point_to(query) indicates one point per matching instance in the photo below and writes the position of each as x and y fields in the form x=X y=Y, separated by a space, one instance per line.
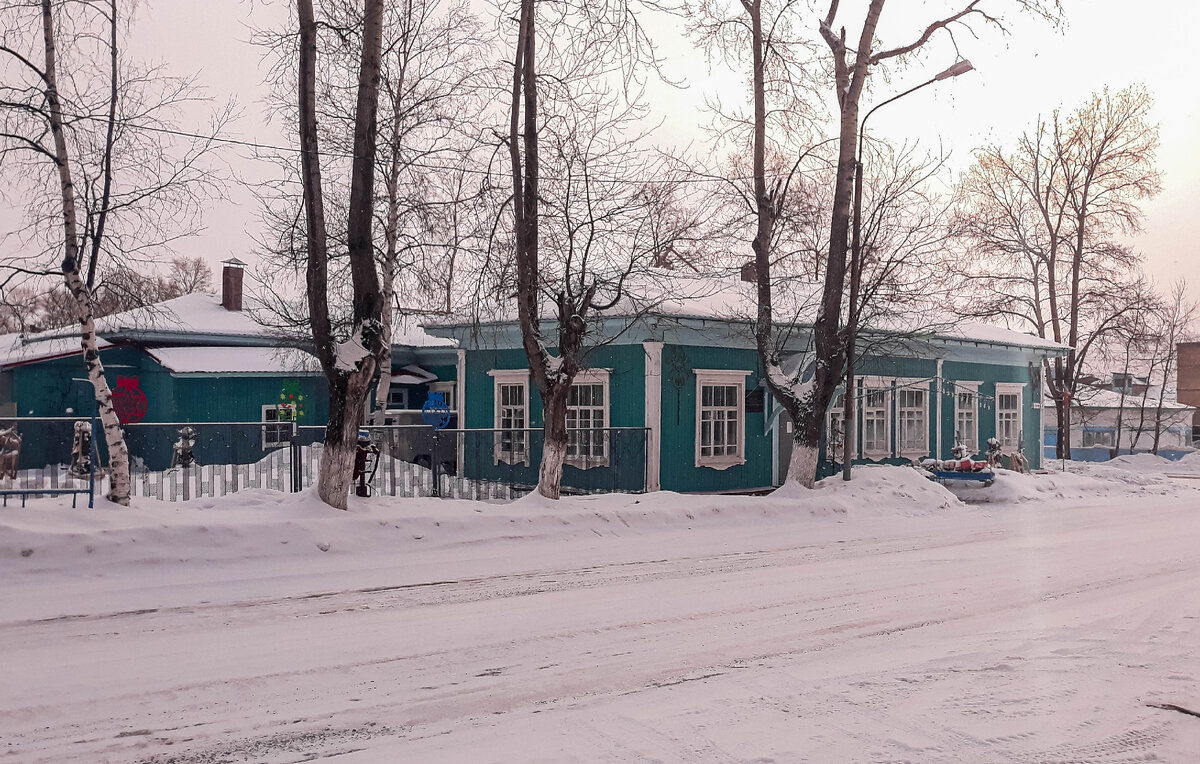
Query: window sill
x=720 y=464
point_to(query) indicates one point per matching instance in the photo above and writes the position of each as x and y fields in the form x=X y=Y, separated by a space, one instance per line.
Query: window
x=397 y=398
x=875 y=421
x=511 y=442
x=277 y=427
x=1098 y=438
x=835 y=429
x=587 y=415
x=1008 y=415
x=914 y=425
x=966 y=417
x=720 y=414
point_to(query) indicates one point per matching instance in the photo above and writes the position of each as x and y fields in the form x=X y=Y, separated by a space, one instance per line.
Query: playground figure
x=366 y=461
x=10 y=451
x=996 y=454
x=181 y=452
x=81 y=450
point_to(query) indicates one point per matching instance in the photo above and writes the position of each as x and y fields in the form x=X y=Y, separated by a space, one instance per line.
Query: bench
x=25 y=493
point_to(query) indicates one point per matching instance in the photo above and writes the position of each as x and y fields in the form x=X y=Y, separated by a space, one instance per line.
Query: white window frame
x=500 y=379
x=972 y=388
x=1017 y=389
x=722 y=378
x=394 y=392
x=273 y=424
x=884 y=387
x=922 y=449
x=591 y=377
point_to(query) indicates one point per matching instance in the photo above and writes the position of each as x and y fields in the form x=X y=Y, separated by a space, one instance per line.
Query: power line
x=349 y=155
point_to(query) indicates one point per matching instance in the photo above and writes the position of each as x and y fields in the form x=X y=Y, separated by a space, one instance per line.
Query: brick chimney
x=231 y=283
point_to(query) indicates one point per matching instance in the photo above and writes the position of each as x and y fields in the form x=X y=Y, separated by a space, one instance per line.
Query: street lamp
x=848 y=440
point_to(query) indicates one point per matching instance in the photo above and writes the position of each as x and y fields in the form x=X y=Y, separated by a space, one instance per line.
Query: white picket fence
x=274 y=472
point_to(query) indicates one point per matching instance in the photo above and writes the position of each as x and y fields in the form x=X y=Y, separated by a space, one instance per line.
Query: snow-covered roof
x=196 y=313
x=724 y=298
x=235 y=360
x=409 y=332
x=1094 y=398
x=413 y=375
x=16 y=349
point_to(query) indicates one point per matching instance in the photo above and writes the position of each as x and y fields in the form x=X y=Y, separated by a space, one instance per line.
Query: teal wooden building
x=199 y=359
x=674 y=397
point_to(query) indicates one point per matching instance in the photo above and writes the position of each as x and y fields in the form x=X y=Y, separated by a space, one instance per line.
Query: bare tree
x=351 y=363
x=86 y=142
x=576 y=230
x=429 y=162
x=1047 y=217
x=766 y=33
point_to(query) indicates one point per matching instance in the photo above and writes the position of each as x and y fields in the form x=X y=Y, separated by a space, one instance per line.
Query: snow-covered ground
x=881 y=620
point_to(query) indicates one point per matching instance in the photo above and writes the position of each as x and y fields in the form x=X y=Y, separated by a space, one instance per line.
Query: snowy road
x=1019 y=634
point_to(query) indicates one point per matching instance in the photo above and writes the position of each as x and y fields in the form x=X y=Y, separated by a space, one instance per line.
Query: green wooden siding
x=626 y=408
x=678 y=470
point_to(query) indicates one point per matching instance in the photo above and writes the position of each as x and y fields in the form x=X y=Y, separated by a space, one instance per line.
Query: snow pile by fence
x=257 y=524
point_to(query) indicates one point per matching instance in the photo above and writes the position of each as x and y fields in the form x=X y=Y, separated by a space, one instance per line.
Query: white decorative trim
x=903 y=386
x=718 y=377
x=509 y=377
x=266 y=444
x=460 y=405
x=1011 y=388
x=883 y=384
x=653 y=414
x=593 y=377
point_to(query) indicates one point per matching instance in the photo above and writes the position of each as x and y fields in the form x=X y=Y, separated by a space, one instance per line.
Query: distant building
x=1100 y=416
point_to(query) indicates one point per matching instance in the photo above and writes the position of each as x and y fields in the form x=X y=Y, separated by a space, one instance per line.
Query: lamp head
x=959 y=67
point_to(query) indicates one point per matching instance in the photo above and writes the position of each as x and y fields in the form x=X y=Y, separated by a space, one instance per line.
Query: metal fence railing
x=178 y=461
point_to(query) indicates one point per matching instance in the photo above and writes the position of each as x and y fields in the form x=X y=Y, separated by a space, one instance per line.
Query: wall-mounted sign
x=129 y=401
x=436 y=412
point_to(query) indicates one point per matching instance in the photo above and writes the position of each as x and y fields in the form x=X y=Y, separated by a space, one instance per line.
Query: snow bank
x=1140 y=462
x=257 y=523
x=1081 y=480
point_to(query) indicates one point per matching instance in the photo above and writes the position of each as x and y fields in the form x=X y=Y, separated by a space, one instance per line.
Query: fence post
x=297 y=471
x=435 y=464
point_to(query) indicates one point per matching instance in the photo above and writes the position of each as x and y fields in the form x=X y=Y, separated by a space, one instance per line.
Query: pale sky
x=1036 y=69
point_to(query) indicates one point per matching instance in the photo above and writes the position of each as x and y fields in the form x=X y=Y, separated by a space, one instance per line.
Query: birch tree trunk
x=118 y=454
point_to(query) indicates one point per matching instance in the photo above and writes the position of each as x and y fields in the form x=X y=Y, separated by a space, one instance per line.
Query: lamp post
x=849 y=445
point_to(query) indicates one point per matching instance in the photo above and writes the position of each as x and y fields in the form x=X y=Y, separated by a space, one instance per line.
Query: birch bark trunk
x=114 y=436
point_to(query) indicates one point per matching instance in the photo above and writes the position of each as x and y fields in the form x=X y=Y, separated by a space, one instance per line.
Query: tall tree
x=86 y=139
x=1049 y=216
x=589 y=213
x=767 y=32
x=351 y=363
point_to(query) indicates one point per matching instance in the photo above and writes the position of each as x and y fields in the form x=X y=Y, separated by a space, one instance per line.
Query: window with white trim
x=397 y=398
x=587 y=418
x=913 y=414
x=875 y=421
x=1008 y=415
x=966 y=417
x=720 y=418
x=835 y=429
x=511 y=442
x=277 y=424
x=1098 y=438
